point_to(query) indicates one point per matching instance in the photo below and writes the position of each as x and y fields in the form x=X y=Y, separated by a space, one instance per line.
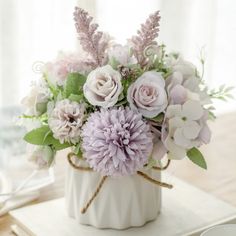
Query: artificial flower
x=36 y=102
x=41 y=156
x=177 y=63
x=121 y=54
x=103 y=87
x=186 y=128
x=58 y=70
x=181 y=88
x=66 y=120
x=147 y=94
x=116 y=141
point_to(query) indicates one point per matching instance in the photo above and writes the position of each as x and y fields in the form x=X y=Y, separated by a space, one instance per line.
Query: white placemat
x=186 y=210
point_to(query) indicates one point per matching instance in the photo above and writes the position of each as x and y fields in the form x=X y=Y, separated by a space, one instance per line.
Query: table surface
x=219 y=179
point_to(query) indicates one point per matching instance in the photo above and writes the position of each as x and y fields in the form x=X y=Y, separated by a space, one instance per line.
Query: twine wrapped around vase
x=103 y=179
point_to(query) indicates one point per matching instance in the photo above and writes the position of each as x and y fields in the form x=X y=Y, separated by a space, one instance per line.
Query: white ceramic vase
x=122 y=202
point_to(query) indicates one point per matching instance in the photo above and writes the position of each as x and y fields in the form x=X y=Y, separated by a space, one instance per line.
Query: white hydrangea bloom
x=186 y=128
x=177 y=63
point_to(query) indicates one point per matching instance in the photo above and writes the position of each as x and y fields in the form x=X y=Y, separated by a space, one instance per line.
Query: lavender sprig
x=145 y=37
x=92 y=41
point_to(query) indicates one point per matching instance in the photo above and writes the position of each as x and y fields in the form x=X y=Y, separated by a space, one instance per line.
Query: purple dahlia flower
x=116 y=142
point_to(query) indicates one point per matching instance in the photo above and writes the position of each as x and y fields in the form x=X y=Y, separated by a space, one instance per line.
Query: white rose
x=103 y=87
x=41 y=156
x=147 y=94
x=121 y=54
x=36 y=101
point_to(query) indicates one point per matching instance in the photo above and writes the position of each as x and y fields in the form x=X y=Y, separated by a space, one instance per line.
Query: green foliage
x=121 y=103
x=42 y=118
x=76 y=98
x=197 y=158
x=74 y=84
x=223 y=93
x=151 y=162
x=114 y=63
x=211 y=114
x=44 y=136
x=78 y=152
x=37 y=136
x=54 y=90
x=122 y=100
x=158 y=119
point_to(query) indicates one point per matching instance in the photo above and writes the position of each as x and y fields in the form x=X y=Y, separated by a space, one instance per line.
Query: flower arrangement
x=120 y=107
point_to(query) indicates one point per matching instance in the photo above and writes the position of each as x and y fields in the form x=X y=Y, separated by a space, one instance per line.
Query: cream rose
x=36 y=102
x=103 y=87
x=121 y=54
x=148 y=95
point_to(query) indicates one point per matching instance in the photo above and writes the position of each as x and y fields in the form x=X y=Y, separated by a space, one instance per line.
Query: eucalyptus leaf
x=197 y=158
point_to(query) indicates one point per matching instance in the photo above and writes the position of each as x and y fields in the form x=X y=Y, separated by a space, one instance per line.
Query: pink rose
x=147 y=94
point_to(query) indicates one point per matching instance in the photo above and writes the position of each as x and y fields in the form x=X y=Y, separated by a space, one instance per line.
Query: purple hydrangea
x=116 y=142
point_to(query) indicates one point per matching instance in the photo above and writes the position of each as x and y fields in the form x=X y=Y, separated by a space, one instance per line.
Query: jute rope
x=99 y=187
x=84 y=209
x=162 y=168
x=154 y=181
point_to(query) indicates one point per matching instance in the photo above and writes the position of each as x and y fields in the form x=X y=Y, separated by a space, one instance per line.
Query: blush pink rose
x=147 y=94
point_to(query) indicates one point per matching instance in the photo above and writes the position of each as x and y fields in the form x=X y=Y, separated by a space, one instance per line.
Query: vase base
x=120 y=227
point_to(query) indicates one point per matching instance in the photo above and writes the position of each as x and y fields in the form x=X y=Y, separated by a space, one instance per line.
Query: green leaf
x=50 y=140
x=78 y=151
x=151 y=162
x=121 y=103
x=52 y=88
x=74 y=84
x=197 y=158
x=37 y=136
x=158 y=118
x=44 y=136
x=76 y=98
x=121 y=96
x=114 y=63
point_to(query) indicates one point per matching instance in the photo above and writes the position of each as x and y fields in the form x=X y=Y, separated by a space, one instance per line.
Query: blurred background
x=32 y=32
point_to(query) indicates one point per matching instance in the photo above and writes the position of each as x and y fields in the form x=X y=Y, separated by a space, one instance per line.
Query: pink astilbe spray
x=92 y=41
x=145 y=38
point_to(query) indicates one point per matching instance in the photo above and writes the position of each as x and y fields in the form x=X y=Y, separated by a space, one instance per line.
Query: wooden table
x=219 y=179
